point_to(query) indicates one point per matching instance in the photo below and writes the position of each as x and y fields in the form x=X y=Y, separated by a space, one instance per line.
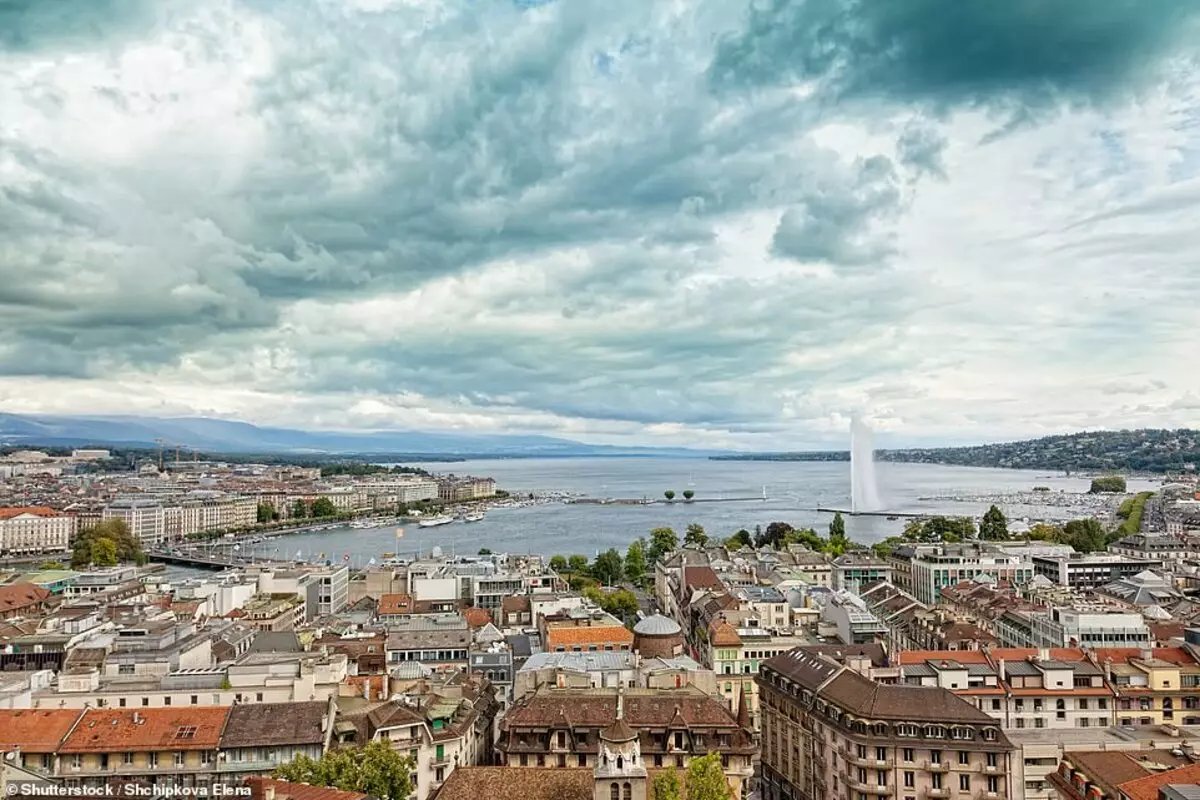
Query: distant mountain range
x=224 y=436
x=1144 y=450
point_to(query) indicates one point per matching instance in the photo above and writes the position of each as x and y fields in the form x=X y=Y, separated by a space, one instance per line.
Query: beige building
x=827 y=731
x=35 y=529
x=274 y=612
x=145 y=519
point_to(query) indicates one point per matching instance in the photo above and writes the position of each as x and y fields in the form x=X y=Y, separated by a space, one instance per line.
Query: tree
x=608 y=567
x=114 y=529
x=706 y=779
x=688 y=494
x=662 y=542
x=739 y=540
x=266 y=513
x=1045 y=532
x=323 y=507
x=1107 y=484
x=635 y=561
x=837 y=528
x=620 y=603
x=669 y=494
x=376 y=770
x=994 y=526
x=46 y=565
x=774 y=535
x=299 y=510
x=483 y=551
x=104 y=552
x=666 y=785
x=577 y=564
x=1085 y=535
x=695 y=536
x=558 y=563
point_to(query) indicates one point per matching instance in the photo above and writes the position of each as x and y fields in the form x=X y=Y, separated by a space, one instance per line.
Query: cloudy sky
x=702 y=222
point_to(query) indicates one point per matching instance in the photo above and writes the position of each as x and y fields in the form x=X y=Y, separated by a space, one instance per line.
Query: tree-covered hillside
x=1138 y=450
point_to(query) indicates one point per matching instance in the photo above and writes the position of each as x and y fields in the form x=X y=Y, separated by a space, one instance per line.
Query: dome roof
x=657 y=625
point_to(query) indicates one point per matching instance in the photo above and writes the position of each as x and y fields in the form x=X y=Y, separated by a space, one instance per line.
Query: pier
x=633 y=501
x=848 y=513
x=197 y=560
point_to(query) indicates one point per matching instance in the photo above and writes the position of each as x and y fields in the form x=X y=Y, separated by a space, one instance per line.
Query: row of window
x=194 y=700
x=908 y=755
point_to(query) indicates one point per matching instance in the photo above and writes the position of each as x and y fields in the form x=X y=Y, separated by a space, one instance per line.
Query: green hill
x=1143 y=450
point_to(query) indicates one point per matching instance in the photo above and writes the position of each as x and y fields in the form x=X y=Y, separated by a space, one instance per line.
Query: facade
x=273 y=612
x=145 y=519
x=561 y=728
x=257 y=738
x=1091 y=570
x=594 y=631
x=934 y=568
x=853 y=571
x=830 y=732
x=35 y=529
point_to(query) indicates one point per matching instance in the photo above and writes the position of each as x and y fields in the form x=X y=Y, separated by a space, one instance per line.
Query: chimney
x=1000 y=669
x=1043 y=654
x=1146 y=654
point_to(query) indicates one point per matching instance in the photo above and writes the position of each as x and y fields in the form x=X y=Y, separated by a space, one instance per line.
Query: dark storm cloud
x=949 y=52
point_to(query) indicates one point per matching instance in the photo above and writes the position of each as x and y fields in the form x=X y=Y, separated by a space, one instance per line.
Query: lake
x=794 y=491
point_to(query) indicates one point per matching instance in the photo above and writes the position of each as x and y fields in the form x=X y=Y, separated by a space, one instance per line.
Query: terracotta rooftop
x=597 y=708
x=8 y=512
x=21 y=595
x=35 y=731
x=477 y=617
x=568 y=637
x=701 y=578
x=285 y=790
x=515 y=604
x=724 y=635
x=107 y=730
x=1107 y=769
x=395 y=604
x=1147 y=788
x=1175 y=655
x=961 y=656
x=529 y=783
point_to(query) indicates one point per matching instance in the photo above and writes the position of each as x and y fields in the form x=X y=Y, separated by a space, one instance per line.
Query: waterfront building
x=828 y=731
x=562 y=728
x=145 y=519
x=35 y=529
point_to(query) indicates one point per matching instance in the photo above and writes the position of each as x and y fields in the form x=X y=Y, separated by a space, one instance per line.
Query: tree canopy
x=695 y=535
x=739 y=540
x=323 y=507
x=635 y=562
x=994 y=526
x=665 y=785
x=376 y=770
x=662 y=542
x=706 y=779
x=126 y=546
x=1107 y=484
x=608 y=567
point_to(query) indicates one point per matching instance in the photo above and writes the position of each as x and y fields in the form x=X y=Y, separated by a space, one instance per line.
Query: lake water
x=794 y=491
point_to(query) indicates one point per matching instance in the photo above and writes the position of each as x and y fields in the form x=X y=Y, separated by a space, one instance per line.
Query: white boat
x=477 y=517
x=434 y=522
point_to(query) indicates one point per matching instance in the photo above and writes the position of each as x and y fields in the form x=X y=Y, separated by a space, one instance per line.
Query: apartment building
x=165 y=747
x=1156 y=547
x=145 y=519
x=273 y=612
x=932 y=568
x=35 y=529
x=828 y=731
x=561 y=728
x=848 y=617
x=734 y=655
x=852 y=571
x=453 y=489
x=584 y=631
x=258 y=738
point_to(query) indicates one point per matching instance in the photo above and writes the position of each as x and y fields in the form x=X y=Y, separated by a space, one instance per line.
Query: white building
x=144 y=518
x=35 y=529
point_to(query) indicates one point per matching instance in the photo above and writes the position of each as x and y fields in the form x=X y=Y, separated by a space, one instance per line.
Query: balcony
x=987 y=769
x=938 y=794
x=869 y=788
x=937 y=766
x=853 y=758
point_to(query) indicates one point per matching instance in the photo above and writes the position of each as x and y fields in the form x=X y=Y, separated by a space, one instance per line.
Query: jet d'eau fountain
x=864 y=491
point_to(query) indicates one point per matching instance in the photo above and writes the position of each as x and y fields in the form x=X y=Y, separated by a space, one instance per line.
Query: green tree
x=46 y=565
x=265 y=513
x=662 y=542
x=1085 y=535
x=577 y=564
x=621 y=603
x=688 y=494
x=558 y=563
x=114 y=529
x=695 y=536
x=706 y=779
x=837 y=528
x=739 y=540
x=483 y=551
x=608 y=567
x=994 y=526
x=299 y=510
x=323 y=507
x=104 y=552
x=1107 y=484
x=635 y=562
x=666 y=785
x=669 y=494
x=1045 y=532
x=376 y=770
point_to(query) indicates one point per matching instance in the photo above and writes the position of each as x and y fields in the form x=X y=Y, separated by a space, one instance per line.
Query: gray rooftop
x=582 y=662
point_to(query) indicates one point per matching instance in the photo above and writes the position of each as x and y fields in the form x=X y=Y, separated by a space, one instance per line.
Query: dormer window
x=935 y=732
x=989 y=734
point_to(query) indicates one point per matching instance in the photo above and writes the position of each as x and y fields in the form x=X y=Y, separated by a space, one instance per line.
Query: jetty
x=845 y=512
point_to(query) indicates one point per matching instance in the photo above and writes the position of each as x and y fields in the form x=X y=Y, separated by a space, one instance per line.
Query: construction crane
x=160 y=443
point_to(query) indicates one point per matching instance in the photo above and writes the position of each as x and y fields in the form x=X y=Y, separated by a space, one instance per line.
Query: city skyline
x=690 y=224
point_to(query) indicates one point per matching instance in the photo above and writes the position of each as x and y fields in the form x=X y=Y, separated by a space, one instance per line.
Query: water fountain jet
x=864 y=490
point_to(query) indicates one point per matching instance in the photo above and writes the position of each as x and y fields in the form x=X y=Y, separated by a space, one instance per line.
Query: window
x=1083 y=704
x=179 y=758
x=562 y=760
x=1038 y=722
x=582 y=759
x=121 y=702
x=935 y=756
x=995 y=705
x=964 y=757
x=562 y=738
x=167 y=700
x=153 y=760
x=127 y=758
x=910 y=779
x=186 y=732
x=964 y=783
x=258 y=696
x=104 y=761
x=991 y=759
x=908 y=754
x=1102 y=703
x=125 y=669
x=76 y=761
x=936 y=780
x=627 y=791
x=993 y=784
x=881 y=754
x=195 y=700
x=862 y=752
x=614 y=791
x=524 y=760
x=145 y=701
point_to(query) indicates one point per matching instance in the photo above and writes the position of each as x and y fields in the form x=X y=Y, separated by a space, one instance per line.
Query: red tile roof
x=1175 y=655
x=108 y=730
x=723 y=634
x=477 y=617
x=35 y=731
x=1147 y=788
x=583 y=636
x=8 y=512
x=395 y=604
x=21 y=595
x=1022 y=653
x=701 y=578
x=961 y=656
x=285 y=790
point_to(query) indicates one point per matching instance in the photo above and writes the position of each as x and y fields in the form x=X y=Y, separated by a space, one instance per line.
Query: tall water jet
x=864 y=491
